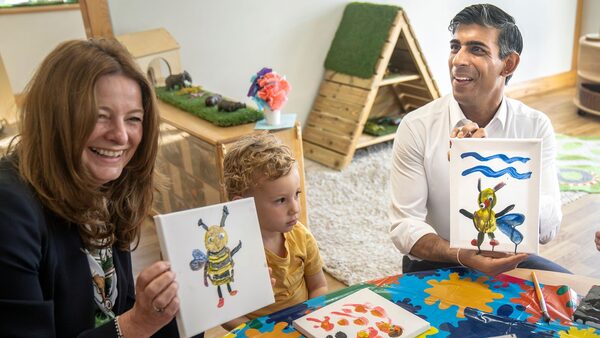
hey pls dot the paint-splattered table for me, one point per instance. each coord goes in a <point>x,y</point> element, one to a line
<point>458,302</point>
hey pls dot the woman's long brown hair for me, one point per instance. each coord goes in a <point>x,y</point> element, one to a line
<point>58,115</point>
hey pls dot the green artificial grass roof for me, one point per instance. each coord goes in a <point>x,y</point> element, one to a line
<point>359,39</point>
<point>196,106</point>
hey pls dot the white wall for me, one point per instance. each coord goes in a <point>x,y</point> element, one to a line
<point>224,42</point>
<point>25,39</point>
<point>590,21</point>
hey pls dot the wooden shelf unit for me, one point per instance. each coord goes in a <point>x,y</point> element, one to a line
<point>401,83</point>
<point>588,73</point>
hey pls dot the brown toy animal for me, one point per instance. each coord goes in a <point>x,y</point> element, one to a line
<point>178,81</point>
<point>213,100</point>
<point>230,106</point>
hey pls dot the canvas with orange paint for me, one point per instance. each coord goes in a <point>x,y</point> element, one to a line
<point>361,314</point>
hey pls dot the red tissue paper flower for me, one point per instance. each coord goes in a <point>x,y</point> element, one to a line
<point>269,88</point>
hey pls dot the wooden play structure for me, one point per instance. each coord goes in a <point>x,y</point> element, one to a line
<point>587,98</point>
<point>156,52</point>
<point>399,82</point>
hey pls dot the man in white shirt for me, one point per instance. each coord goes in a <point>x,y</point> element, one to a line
<point>484,53</point>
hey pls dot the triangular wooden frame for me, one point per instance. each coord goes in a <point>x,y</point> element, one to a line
<point>334,127</point>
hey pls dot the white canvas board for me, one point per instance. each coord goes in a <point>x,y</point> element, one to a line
<point>509,171</point>
<point>363,313</point>
<point>180,234</point>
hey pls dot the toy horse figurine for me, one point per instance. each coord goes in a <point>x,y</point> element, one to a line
<point>178,81</point>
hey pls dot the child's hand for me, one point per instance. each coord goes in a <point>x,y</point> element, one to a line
<point>273,280</point>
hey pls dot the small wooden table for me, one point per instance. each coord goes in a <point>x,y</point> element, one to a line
<point>191,155</point>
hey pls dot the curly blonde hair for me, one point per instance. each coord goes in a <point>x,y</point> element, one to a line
<point>255,158</point>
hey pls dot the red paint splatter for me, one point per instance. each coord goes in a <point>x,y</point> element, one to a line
<point>343,322</point>
<point>560,303</point>
<point>378,311</point>
<point>325,324</point>
<point>386,280</point>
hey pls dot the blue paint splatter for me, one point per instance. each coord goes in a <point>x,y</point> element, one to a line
<point>491,157</point>
<point>288,315</point>
<point>477,322</point>
<point>507,224</point>
<point>505,310</point>
<point>489,172</point>
<point>407,305</point>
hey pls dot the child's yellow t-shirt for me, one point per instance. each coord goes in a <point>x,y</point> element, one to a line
<point>303,259</point>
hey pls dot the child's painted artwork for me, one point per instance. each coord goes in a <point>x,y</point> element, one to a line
<point>218,257</point>
<point>494,194</point>
<point>218,261</point>
<point>361,314</point>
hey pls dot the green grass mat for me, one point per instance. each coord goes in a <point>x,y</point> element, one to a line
<point>359,38</point>
<point>196,106</point>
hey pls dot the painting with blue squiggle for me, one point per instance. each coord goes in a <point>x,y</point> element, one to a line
<point>503,157</point>
<point>489,172</point>
<point>495,194</point>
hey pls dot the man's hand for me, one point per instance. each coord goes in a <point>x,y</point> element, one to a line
<point>469,130</point>
<point>491,263</point>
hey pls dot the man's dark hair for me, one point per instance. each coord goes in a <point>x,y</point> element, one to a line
<point>509,39</point>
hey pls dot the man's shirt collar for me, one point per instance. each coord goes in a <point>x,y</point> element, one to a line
<point>458,118</point>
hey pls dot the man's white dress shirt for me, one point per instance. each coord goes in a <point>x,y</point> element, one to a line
<point>420,168</point>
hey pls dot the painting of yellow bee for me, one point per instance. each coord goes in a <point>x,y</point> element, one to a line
<point>487,221</point>
<point>218,260</point>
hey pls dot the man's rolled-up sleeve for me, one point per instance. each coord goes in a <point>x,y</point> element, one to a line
<point>408,184</point>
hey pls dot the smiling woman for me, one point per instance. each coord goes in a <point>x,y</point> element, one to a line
<point>75,190</point>
<point>118,130</point>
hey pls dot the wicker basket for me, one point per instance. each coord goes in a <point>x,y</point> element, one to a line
<point>589,95</point>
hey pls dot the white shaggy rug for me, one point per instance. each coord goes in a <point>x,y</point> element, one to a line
<point>347,214</point>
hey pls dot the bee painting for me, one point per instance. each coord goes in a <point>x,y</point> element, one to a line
<point>218,261</point>
<point>487,221</point>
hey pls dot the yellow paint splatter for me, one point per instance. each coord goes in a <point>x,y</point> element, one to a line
<point>276,333</point>
<point>432,330</point>
<point>236,329</point>
<point>461,292</point>
<point>575,332</point>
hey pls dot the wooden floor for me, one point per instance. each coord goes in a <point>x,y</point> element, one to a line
<point>574,246</point>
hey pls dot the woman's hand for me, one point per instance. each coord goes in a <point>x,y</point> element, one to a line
<point>156,302</point>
